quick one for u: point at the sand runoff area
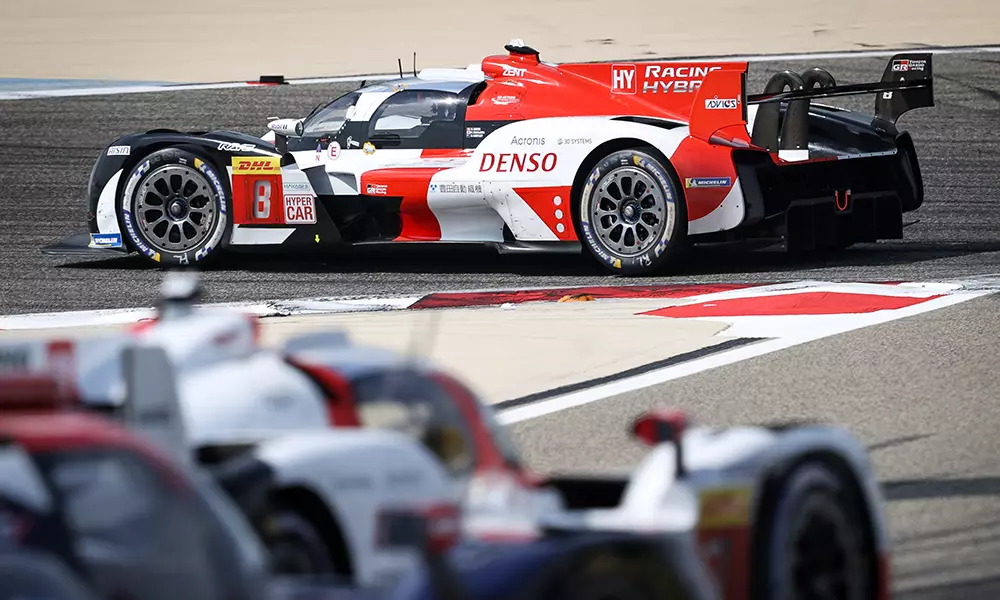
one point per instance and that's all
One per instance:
(502, 352)
(206, 41)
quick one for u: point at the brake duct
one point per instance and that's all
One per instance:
(793, 143)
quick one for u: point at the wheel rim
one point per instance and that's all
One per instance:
(176, 208)
(292, 557)
(629, 211)
(823, 562)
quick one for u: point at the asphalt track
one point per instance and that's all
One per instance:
(48, 147)
(921, 392)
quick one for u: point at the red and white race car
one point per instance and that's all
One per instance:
(630, 160)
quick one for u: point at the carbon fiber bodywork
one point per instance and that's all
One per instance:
(864, 174)
(206, 143)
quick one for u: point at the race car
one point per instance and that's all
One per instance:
(771, 506)
(248, 412)
(108, 512)
(632, 161)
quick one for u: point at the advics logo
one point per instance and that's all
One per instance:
(623, 80)
(721, 103)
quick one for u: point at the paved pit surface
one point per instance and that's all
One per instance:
(921, 391)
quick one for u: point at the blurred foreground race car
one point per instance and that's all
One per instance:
(351, 435)
(91, 511)
(630, 161)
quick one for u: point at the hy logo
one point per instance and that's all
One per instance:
(623, 79)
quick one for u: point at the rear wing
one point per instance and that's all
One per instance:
(719, 114)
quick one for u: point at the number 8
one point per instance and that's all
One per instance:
(262, 199)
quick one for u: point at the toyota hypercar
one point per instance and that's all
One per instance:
(629, 161)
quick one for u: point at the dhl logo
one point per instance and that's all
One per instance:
(242, 165)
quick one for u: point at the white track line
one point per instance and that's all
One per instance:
(186, 87)
(180, 87)
(587, 396)
(329, 305)
(273, 308)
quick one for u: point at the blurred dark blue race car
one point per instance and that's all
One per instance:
(558, 565)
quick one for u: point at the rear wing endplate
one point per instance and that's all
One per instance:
(907, 83)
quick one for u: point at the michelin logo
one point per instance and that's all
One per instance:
(105, 240)
(707, 182)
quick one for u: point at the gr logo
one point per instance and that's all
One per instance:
(623, 79)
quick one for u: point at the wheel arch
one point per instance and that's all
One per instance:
(773, 479)
(310, 505)
(203, 145)
(601, 151)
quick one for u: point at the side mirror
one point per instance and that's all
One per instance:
(287, 127)
(385, 139)
(657, 427)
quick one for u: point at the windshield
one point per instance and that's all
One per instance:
(505, 445)
(416, 406)
(330, 118)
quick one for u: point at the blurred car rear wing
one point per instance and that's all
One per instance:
(719, 114)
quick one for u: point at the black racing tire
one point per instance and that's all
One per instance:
(296, 546)
(174, 208)
(632, 233)
(811, 536)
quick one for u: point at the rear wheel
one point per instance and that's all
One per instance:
(631, 213)
(174, 208)
(815, 544)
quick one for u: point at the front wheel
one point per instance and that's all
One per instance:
(632, 215)
(296, 546)
(173, 208)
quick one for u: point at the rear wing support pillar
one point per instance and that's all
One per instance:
(716, 115)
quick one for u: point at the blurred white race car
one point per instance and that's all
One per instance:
(349, 432)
